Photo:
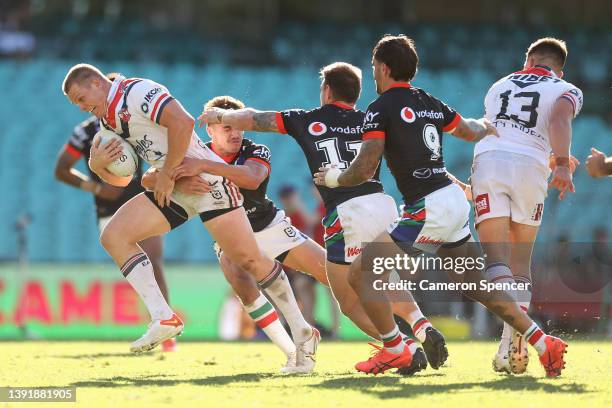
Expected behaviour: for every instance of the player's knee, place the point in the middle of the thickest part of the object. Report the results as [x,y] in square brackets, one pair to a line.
[113,237]
[248,264]
[109,237]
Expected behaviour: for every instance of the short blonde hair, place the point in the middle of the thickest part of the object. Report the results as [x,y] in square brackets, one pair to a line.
[79,74]
[224,102]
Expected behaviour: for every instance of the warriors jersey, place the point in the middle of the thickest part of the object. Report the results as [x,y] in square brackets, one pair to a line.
[329,135]
[412,123]
[259,208]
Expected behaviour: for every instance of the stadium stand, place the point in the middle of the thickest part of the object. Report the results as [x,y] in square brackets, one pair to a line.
[39,119]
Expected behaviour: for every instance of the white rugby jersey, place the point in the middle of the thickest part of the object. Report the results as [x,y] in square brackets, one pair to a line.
[135,106]
[520,105]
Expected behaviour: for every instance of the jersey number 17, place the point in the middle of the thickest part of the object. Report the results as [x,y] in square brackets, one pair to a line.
[332,153]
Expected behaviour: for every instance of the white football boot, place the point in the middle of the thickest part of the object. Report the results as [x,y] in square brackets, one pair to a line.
[158,331]
[501,361]
[289,367]
[518,354]
[305,355]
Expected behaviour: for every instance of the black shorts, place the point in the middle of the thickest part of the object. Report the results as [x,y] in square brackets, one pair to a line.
[176,215]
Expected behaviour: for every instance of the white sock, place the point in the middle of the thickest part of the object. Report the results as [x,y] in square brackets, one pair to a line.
[535,336]
[265,316]
[501,273]
[393,341]
[419,324]
[138,271]
[276,286]
[412,345]
[524,296]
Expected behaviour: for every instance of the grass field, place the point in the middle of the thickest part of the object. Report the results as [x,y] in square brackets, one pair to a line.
[244,375]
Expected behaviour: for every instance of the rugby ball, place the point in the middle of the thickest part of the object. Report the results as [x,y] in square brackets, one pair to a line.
[127,163]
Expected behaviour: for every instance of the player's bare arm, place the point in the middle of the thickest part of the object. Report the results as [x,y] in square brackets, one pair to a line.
[249,175]
[101,156]
[473,130]
[194,185]
[180,128]
[598,164]
[241,119]
[66,173]
[361,169]
[560,131]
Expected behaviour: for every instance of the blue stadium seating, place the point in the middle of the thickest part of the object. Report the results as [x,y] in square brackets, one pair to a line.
[40,119]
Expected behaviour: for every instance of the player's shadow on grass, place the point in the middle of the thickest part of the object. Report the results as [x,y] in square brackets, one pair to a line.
[102,355]
[160,381]
[392,387]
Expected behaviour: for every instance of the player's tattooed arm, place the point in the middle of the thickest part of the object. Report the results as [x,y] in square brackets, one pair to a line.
[474,130]
[361,169]
[365,164]
[241,119]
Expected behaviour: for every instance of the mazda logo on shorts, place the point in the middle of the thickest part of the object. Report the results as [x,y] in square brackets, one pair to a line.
[422,173]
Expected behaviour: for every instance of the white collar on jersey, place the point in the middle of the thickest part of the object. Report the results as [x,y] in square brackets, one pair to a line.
[114,87]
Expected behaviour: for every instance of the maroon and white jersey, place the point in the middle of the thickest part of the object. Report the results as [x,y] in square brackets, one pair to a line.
[135,107]
[520,105]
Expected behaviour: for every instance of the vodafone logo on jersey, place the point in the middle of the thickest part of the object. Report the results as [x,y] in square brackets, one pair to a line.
[408,115]
[317,128]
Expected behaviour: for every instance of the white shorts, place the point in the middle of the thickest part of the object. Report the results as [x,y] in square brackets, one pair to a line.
[277,238]
[506,184]
[355,222]
[439,219]
[224,197]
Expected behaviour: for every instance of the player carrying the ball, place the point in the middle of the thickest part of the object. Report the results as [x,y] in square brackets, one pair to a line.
[107,198]
[162,133]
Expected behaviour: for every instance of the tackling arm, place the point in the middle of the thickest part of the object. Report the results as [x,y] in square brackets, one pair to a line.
[242,119]
[248,176]
[364,166]
[473,130]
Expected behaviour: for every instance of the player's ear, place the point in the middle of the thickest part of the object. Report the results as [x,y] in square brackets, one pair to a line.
[561,74]
[385,70]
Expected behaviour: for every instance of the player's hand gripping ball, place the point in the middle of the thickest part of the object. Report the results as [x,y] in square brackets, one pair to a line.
[126,161]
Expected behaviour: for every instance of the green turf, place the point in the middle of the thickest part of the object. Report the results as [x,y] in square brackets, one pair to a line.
[244,375]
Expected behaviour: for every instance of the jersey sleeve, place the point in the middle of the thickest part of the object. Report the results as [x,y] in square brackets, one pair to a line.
[80,140]
[291,121]
[574,96]
[260,154]
[375,121]
[149,99]
[451,117]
